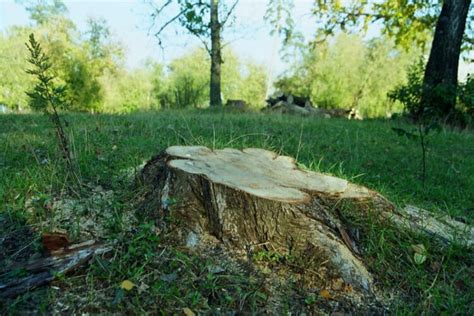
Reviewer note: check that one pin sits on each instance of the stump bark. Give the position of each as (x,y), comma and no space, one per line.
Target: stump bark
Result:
(243,198)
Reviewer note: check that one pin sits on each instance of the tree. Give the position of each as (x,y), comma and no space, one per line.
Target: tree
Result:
(411,22)
(77,60)
(345,72)
(128,91)
(243,79)
(188,81)
(14,81)
(78,63)
(201,19)
(441,74)
(41,11)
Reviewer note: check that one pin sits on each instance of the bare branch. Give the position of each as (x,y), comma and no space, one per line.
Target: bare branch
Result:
(164,26)
(203,41)
(238,38)
(158,11)
(173,19)
(229,13)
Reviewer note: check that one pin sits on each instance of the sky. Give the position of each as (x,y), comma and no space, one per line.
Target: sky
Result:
(129,22)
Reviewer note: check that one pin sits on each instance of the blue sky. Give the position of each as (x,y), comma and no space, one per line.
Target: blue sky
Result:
(129,22)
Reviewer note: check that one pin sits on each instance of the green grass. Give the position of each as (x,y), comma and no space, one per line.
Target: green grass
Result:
(109,148)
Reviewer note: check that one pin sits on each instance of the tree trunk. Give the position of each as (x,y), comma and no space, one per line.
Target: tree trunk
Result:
(216,58)
(441,72)
(253,199)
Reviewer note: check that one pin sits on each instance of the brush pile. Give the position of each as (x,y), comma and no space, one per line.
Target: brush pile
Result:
(287,103)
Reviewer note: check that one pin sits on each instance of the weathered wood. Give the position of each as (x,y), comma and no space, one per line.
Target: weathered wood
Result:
(43,271)
(285,107)
(290,99)
(443,228)
(242,198)
(281,103)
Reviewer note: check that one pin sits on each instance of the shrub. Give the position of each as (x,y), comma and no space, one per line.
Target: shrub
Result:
(466,96)
(410,95)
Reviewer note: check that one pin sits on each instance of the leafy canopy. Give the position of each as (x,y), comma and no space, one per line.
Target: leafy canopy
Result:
(407,21)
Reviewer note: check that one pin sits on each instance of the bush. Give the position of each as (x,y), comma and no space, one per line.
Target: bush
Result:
(410,95)
(466,96)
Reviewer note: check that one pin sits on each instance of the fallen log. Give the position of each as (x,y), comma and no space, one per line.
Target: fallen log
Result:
(44,270)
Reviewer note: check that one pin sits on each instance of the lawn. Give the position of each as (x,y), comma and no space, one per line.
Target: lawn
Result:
(110,149)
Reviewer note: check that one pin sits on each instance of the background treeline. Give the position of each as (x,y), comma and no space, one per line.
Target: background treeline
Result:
(92,65)
(348,72)
(344,71)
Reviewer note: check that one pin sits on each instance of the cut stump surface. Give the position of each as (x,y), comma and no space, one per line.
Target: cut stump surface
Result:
(259,172)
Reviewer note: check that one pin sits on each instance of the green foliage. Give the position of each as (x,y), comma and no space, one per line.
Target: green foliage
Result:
(77,61)
(409,94)
(92,63)
(127,91)
(466,96)
(187,83)
(347,73)
(41,11)
(243,80)
(81,64)
(424,114)
(14,81)
(97,37)
(94,67)
(193,16)
(253,85)
(48,96)
(278,15)
(407,21)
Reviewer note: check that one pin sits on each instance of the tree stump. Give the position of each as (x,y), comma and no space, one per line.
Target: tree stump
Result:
(243,198)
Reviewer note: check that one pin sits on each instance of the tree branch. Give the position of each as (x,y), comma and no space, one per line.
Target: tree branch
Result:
(157,34)
(164,26)
(238,38)
(158,11)
(201,39)
(229,13)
